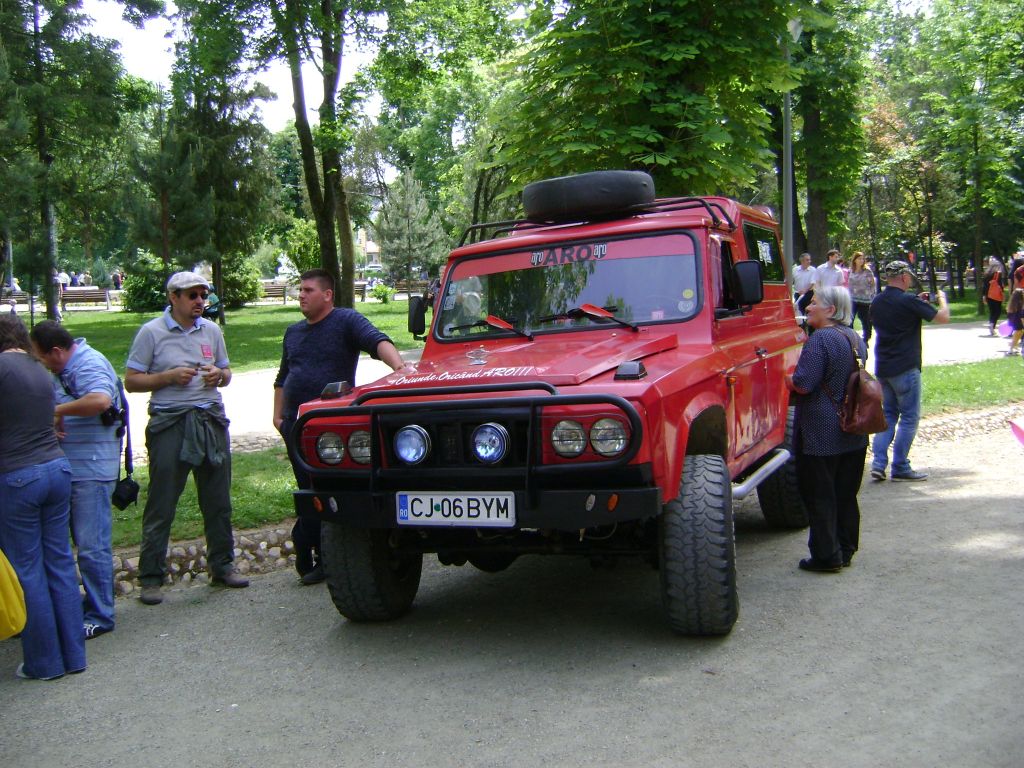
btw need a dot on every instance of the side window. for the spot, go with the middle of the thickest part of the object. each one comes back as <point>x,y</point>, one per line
<point>722,273</point>
<point>763,246</point>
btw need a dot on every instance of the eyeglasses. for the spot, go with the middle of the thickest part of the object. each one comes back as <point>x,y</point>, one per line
<point>196,295</point>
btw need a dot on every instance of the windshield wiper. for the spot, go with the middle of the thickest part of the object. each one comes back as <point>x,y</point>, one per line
<point>592,311</point>
<point>492,322</point>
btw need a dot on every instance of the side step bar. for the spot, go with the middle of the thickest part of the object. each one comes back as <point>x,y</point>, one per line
<point>780,457</point>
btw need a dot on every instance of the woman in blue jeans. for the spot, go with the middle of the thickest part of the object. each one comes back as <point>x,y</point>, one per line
<point>35,491</point>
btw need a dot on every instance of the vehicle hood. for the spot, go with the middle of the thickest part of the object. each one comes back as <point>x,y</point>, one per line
<point>555,360</point>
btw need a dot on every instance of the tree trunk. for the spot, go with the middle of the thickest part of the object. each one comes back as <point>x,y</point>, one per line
<point>979,268</point>
<point>817,214</point>
<point>321,199</point>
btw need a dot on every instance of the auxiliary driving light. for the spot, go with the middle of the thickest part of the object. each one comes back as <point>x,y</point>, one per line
<point>608,437</point>
<point>490,443</point>
<point>329,448</point>
<point>412,444</point>
<point>359,446</point>
<point>568,439</point>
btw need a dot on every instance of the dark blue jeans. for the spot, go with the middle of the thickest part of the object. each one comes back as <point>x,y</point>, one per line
<point>34,503</point>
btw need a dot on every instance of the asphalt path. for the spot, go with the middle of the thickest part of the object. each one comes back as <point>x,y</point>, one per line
<point>909,658</point>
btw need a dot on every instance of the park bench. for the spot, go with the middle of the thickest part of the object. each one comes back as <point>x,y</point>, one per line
<point>86,295</point>
<point>276,291</point>
<point>410,287</point>
<point>20,297</point>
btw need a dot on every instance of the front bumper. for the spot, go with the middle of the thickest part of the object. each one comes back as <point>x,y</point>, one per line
<point>567,510</point>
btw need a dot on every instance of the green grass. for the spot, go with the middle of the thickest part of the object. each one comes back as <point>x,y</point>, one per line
<point>253,334</point>
<point>967,386</point>
<point>261,494</point>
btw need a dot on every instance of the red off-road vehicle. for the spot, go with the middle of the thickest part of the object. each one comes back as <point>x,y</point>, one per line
<point>601,379</point>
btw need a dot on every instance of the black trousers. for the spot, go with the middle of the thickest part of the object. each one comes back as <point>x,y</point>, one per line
<point>305,533</point>
<point>995,309</point>
<point>862,309</point>
<point>829,487</point>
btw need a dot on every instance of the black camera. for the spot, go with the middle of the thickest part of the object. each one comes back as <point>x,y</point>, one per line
<point>126,492</point>
<point>112,416</point>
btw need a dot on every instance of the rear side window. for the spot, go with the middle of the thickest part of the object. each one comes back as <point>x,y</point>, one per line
<point>763,246</point>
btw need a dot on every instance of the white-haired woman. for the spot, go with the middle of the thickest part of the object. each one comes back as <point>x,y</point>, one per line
<point>829,462</point>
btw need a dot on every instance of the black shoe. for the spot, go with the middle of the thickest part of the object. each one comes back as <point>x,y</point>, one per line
<point>314,576</point>
<point>230,579</point>
<point>810,564</point>
<point>94,630</point>
<point>150,594</point>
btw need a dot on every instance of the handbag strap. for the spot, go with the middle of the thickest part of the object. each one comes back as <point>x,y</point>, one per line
<point>858,365</point>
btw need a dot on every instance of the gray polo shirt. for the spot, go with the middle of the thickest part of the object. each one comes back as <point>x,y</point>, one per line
<point>162,344</point>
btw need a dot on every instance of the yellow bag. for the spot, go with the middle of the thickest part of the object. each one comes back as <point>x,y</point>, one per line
<point>12,600</point>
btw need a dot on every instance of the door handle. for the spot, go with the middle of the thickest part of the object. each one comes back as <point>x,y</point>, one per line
<point>761,351</point>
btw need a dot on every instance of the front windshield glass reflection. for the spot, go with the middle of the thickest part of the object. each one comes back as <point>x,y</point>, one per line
<point>641,281</point>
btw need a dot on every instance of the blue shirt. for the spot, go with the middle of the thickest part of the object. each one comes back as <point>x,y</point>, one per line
<point>896,316</point>
<point>94,450</point>
<point>315,354</point>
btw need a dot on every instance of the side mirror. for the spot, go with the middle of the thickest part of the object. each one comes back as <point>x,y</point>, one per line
<point>748,282</point>
<point>417,315</point>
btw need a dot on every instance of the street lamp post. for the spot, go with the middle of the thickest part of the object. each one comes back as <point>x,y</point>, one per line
<point>795,28</point>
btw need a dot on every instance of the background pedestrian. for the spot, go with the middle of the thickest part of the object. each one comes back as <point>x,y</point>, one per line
<point>862,290</point>
<point>993,284</point>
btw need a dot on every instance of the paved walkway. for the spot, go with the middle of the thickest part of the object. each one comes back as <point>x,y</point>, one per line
<point>249,400</point>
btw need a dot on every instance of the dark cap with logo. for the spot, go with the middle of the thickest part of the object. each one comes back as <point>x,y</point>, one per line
<point>896,268</point>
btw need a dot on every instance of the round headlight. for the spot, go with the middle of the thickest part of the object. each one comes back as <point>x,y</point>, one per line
<point>412,444</point>
<point>359,446</point>
<point>568,438</point>
<point>608,437</point>
<point>490,443</point>
<point>329,448</point>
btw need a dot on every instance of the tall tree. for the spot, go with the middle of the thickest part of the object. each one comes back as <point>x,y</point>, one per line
<point>672,88</point>
<point>410,235</point>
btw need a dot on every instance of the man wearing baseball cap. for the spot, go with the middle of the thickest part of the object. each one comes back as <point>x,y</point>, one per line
<point>897,315</point>
<point>181,358</point>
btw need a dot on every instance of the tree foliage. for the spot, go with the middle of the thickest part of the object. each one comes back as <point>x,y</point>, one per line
<point>409,234</point>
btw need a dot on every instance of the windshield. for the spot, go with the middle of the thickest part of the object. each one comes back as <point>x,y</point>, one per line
<point>644,280</point>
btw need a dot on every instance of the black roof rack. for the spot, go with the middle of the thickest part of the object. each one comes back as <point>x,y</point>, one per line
<point>668,204</point>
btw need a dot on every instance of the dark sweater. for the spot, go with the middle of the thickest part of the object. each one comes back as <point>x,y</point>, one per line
<point>316,354</point>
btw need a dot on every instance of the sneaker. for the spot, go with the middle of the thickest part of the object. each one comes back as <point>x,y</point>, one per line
<point>878,474</point>
<point>94,630</point>
<point>20,672</point>
<point>910,475</point>
<point>230,579</point>
<point>151,594</point>
<point>315,576</point>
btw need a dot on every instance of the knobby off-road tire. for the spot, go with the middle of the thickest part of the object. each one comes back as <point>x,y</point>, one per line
<point>586,195</point>
<point>779,495</point>
<point>697,550</point>
<point>368,580</point>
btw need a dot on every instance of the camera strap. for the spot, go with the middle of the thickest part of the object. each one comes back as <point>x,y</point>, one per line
<point>127,430</point>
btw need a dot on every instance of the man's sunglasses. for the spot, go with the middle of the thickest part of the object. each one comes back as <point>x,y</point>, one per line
<point>195,295</point>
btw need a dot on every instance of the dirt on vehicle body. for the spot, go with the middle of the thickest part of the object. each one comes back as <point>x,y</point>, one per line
<point>601,379</point>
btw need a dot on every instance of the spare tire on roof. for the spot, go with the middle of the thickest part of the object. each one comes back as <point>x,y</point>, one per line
<point>587,195</point>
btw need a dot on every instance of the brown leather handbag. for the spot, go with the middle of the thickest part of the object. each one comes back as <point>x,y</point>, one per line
<point>860,412</point>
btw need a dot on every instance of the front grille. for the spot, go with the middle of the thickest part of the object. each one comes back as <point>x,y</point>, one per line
<point>451,436</point>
